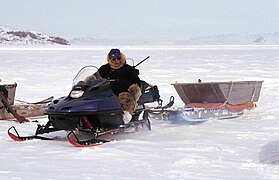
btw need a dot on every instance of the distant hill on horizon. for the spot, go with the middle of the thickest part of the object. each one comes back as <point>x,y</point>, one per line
<point>225,39</point>
<point>235,39</point>
<point>9,36</point>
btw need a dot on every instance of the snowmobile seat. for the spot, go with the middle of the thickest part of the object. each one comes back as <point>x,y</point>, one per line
<point>149,93</point>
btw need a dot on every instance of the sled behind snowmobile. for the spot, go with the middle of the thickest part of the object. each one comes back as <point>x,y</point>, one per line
<point>219,100</point>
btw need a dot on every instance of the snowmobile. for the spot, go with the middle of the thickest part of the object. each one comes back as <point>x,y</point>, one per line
<point>91,110</point>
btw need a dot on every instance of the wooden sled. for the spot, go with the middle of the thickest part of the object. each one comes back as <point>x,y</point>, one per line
<point>219,100</point>
<point>21,109</point>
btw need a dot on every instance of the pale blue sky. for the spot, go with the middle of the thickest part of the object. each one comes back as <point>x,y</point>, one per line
<point>141,19</point>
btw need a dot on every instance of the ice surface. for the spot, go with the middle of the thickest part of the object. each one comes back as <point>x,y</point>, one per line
<point>242,148</point>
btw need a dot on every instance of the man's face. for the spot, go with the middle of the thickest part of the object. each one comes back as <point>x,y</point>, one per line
<point>115,61</point>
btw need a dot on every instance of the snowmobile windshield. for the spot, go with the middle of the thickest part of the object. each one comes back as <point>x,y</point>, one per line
<point>86,74</point>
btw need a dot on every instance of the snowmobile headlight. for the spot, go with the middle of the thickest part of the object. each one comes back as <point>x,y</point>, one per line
<point>76,94</point>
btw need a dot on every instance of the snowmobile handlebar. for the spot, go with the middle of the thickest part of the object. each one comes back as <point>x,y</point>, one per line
<point>100,84</point>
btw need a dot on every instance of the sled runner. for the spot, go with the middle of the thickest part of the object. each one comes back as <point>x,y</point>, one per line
<point>91,110</point>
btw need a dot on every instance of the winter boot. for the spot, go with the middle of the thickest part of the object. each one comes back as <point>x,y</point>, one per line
<point>126,117</point>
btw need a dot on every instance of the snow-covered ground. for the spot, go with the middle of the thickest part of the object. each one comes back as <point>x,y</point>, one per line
<point>242,148</point>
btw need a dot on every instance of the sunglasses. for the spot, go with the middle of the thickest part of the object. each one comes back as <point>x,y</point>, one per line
<point>114,59</point>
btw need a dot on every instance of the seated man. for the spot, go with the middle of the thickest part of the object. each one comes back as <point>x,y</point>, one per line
<point>125,84</point>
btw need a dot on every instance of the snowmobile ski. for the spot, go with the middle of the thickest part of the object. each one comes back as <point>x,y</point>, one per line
<point>84,143</point>
<point>17,137</point>
<point>95,141</point>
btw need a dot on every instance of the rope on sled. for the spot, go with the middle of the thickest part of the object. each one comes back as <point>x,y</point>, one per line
<point>254,91</point>
<point>247,105</point>
<point>229,94</point>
